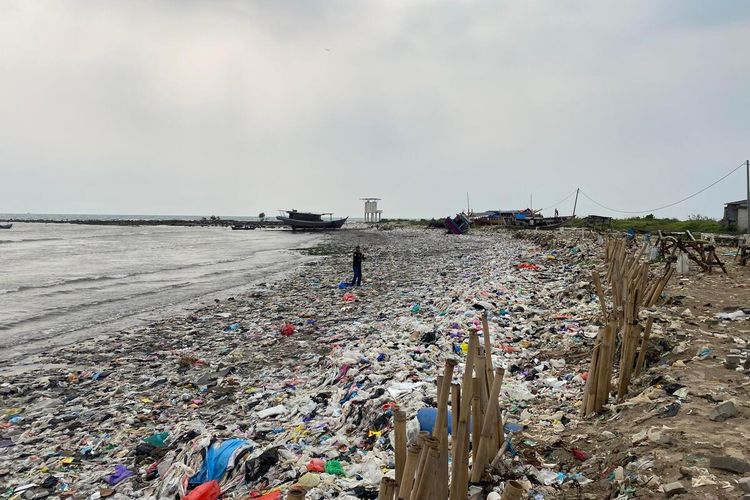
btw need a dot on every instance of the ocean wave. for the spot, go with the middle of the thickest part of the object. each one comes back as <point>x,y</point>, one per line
<point>61,310</point>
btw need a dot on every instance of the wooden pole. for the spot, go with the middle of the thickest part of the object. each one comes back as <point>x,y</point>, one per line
<point>487,349</point>
<point>644,347</point>
<point>296,492</point>
<point>399,418</point>
<point>425,477</point>
<point>488,442</point>
<point>459,472</point>
<point>406,482</point>
<point>455,410</point>
<point>604,370</point>
<point>600,294</point>
<point>512,491</point>
<point>476,414</point>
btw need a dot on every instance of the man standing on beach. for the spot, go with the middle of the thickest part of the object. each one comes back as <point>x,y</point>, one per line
<point>357,262</point>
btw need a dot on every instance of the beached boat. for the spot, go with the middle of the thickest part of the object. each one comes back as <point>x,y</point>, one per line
<point>307,221</point>
<point>542,223</point>
<point>458,224</point>
<point>6,226</point>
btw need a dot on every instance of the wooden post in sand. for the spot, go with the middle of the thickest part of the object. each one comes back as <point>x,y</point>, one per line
<point>440,430</point>
<point>489,369</point>
<point>455,411</point>
<point>644,346</point>
<point>399,418</point>
<point>488,442</point>
<point>459,474</point>
<point>406,482</point>
<point>512,491</point>
<point>425,477</point>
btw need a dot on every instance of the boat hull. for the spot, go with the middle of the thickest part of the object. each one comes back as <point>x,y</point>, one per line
<point>6,226</point>
<point>312,225</point>
<point>543,224</point>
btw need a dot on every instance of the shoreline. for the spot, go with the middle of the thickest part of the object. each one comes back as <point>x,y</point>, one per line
<point>23,353</point>
<point>327,389</point>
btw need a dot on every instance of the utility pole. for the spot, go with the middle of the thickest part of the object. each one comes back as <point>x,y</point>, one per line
<point>747,200</point>
<point>575,204</point>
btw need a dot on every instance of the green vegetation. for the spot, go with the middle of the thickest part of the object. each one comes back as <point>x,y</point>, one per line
<point>694,223</point>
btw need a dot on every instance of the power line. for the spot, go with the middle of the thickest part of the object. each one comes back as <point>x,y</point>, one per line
<point>559,202</point>
<point>670,204</point>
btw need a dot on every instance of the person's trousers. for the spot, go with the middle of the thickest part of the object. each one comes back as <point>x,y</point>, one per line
<point>357,275</point>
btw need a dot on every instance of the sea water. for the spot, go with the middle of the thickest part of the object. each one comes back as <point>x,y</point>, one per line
<point>63,282</point>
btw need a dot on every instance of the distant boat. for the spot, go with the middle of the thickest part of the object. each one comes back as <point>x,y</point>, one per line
<point>458,224</point>
<point>538,222</point>
<point>306,221</point>
<point>242,227</point>
<point>6,226</point>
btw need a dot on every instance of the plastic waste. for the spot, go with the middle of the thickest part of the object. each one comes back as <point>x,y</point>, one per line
<point>217,459</point>
<point>121,473</point>
<point>334,467</point>
<point>157,440</point>
<point>207,491</point>
<point>287,329</point>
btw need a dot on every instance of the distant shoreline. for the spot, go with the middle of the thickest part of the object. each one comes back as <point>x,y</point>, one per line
<point>156,222</point>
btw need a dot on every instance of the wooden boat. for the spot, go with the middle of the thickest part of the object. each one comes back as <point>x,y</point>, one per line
<point>6,226</point>
<point>307,221</point>
<point>458,224</point>
<point>542,223</point>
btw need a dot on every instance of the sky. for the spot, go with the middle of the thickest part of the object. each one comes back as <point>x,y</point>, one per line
<point>237,107</point>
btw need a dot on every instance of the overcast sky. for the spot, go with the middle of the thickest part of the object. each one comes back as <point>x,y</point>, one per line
<point>237,107</point>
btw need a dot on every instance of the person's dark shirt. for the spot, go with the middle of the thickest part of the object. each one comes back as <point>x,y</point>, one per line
<point>358,258</point>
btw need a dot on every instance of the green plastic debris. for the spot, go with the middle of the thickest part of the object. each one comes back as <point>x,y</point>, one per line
<point>334,467</point>
<point>416,308</point>
<point>157,439</point>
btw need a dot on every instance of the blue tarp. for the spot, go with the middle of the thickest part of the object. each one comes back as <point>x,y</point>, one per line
<point>216,461</point>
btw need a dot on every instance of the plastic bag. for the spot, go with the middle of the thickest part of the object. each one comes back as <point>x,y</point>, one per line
<point>206,491</point>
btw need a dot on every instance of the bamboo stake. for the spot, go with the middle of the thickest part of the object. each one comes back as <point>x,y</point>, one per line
<point>399,418</point>
<point>383,489</point>
<point>476,423</point>
<point>660,287</point>
<point>459,472</point>
<point>604,367</point>
<point>644,346</point>
<point>600,294</point>
<point>425,476</point>
<point>512,490</point>
<point>390,488</point>
<point>500,431</point>
<point>296,492</point>
<point>443,394</point>
<point>487,349</point>
<point>406,482</point>
<point>455,410</point>
<point>591,380</point>
<point>440,430</point>
<point>481,391</point>
<point>488,440</point>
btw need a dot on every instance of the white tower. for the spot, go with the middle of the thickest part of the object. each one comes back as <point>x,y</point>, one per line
<point>372,214</point>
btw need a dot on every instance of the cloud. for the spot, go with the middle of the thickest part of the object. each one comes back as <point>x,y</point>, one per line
<point>240,107</point>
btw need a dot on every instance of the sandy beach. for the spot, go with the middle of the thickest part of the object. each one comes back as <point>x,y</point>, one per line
<point>327,390</point>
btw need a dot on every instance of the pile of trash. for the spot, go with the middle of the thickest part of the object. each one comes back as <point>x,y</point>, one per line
<point>296,383</point>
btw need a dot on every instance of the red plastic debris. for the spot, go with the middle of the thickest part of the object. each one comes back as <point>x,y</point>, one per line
<point>316,465</point>
<point>206,491</point>
<point>287,329</point>
<point>579,454</point>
